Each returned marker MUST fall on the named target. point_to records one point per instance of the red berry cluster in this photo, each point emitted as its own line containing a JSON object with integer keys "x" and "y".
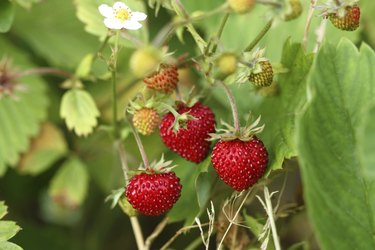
{"x": 240, "y": 161}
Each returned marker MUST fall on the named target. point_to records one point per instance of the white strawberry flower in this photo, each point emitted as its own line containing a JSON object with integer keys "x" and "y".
{"x": 120, "y": 16}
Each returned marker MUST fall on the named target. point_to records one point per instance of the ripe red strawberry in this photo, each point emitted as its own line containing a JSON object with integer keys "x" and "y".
{"x": 263, "y": 78}
{"x": 165, "y": 80}
{"x": 350, "y": 21}
{"x": 240, "y": 164}
{"x": 189, "y": 142}
{"x": 146, "y": 120}
{"x": 153, "y": 193}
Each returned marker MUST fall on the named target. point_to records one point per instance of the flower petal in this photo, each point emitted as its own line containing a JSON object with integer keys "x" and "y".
{"x": 113, "y": 23}
{"x": 131, "y": 25}
{"x": 106, "y": 10}
{"x": 138, "y": 16}
{"x": 120, "y": 5}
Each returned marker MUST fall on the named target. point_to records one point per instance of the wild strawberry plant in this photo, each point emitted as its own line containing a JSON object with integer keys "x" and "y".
{"x": 244, "y": 124}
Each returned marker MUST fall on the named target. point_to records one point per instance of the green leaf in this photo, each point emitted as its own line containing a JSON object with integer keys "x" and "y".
{"x": 192, "y": 200}
{"x": 26, "y": 3}
{"x": 3, "y": 209}
{"x": 335, "y": 143}
{"x": 6, "y": 15}
{"x": 61, "y": 39}
{"x": 279, "y": 113}
{"x": 20, "y": 117}
{"x": 180, "y": 11}
{"x": 8, "y": 229}
{"x": 45, "y": 149}
{"x": 254, "y": 225}
{"x": 6, "y": 245}
{"x": 84, "y": 67}
{"x": 69, "y": 185}
{"x": 88, "y": 13}
{"x": 237, "y": 27}
{"x": 79, "y": 111}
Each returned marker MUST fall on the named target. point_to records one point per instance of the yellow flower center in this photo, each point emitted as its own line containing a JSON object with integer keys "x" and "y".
{"x": 122, "y": 14}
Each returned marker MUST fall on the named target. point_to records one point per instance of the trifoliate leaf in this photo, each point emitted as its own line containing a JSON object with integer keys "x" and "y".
{"x": 336, "y": 143}
{"x": 6, "y": 15}
{"x": 79, "y": 111}
{"x": 69, "y": 185}
{"x": 45, "y": 149}
{"x": 20, "y": 117}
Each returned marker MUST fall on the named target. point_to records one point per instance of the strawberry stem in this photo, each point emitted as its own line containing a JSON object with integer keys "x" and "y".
{"x": 44, "y": 70}
{"x": 139, "y": 144}
{"x": 236, "y": 121}
{"x": 114, "y": 86}
{"x": 102, "y": 46}
{"x": 259, "y": 37}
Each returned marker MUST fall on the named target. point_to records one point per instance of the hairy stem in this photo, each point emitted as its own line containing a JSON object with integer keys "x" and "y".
{"x": 124, "y": 162}
{"x": 216, "y": 38}
{"x": 139, "y": 144}
{"x": 137, "y": 232}
{"x": 133, "y": 220}
{"x": 308, "y": 23}
{"x": 44, "y": 71}
{"x": 259, "y": 37}
{"x": 228, "y": 92}
{"x": 114, "y": 88}
{"x": 102, "y": 46}
{"x": 216, "y": 41}
{"x": 167, "y": 31}
{"x": 320, "y": 33}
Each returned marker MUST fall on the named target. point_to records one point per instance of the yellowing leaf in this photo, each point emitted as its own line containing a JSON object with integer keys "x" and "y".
{"x": 45, "y": 149}
{"x": 69, "y": 185}
{"x": 79, "y": 111}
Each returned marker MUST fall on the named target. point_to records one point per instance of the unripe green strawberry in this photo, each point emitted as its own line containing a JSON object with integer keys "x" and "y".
{"x": 241, "y": 6}
{"x": 165, "y": 80}
{"x": 144, "y": 61}
{"x": 350, "y": 21}
{"x": 263, "y": 78}
{"x": 296, "y": 10}
{"x": 146, "y": 120}
{"x": 226, "y": 64}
